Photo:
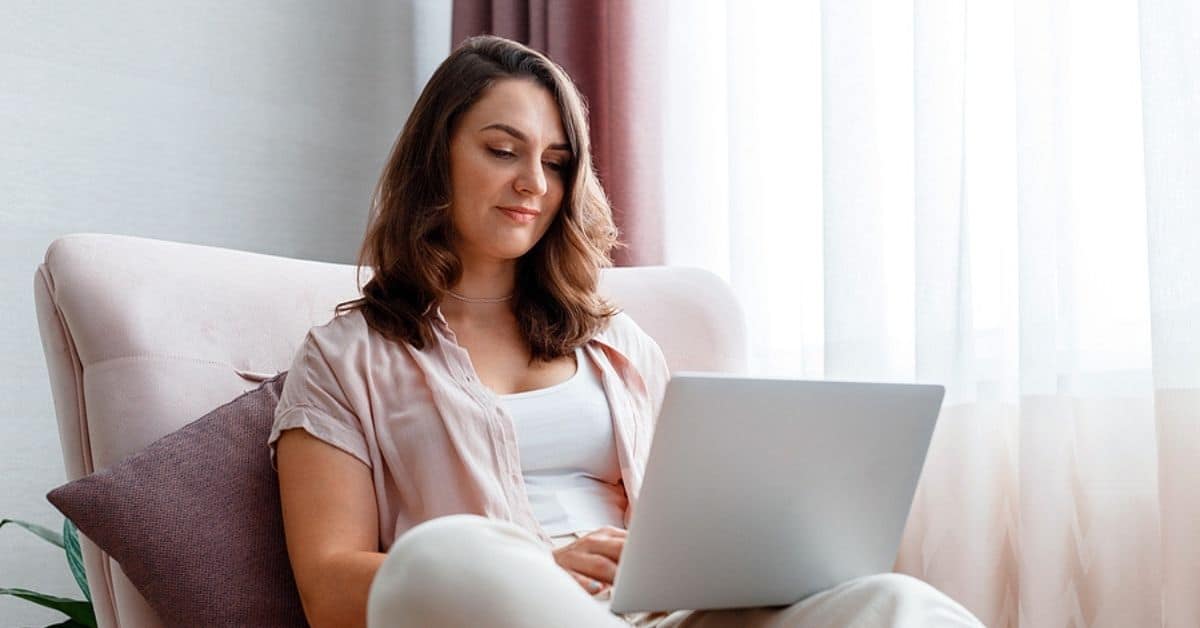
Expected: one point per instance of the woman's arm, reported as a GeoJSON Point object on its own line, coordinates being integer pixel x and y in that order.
{"type": "Point", "coordinates": [331, 522]}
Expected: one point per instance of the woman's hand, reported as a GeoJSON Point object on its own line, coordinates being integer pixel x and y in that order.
{"type": "Point", "coordinates": [592, 559]}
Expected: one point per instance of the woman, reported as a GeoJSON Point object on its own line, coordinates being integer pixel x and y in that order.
{"type": "Point", "coordinates": [461, 445]}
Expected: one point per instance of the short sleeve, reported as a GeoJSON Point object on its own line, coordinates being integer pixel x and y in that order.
{"type": "Point", "coordinates": [314, 400]}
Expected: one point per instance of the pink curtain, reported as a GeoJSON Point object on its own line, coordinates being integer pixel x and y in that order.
{"type": "Point", "coordinates": [610, 50]}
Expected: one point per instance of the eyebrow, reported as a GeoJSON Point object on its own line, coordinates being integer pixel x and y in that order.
{"type": "Point", "coordinates": [513, 131]}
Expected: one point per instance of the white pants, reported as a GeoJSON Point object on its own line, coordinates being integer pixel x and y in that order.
{"type": "Point", "coordinates": [465, 570]}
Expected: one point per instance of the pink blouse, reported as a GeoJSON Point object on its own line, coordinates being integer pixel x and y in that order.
{"type": "Point", "coordinates": [435, 438]}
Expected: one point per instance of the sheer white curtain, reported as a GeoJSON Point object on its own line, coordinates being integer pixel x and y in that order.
{"type": "Point", "coordinates": [999, 196]}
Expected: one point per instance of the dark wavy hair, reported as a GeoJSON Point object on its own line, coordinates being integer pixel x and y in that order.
{"type": "Point", "coordinates": [407, 245]}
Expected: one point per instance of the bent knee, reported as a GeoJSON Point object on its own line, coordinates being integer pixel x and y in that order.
{"type": "Point", "coordinates": [896, 585]}
{"type": "Point", "coordinates": [432, 566]}
{"type": "Point", "coordinates": [441, 531]}
{"type": "Point", "coordinates": [913, 597]}
{"type": "Point", "coordinates": [442, 546]}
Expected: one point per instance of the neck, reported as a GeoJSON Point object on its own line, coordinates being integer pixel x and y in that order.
{"type": "Point", "coordinates": [487, 280]}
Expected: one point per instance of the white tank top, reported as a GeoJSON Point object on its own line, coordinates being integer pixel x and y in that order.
{"type": "Point", "coordinates": [568, 455]}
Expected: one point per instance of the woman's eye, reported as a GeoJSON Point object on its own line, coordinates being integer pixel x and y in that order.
{"type": "Point", "coordinates": [554, 165]}
{"type": "Point", "coordinates": [502, 153]}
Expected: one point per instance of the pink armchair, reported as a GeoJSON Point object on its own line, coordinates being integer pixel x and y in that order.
{"type": "Point", "coordinates": [142, 336]}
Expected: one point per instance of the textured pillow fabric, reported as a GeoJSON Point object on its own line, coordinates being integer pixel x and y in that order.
{"type": "Point", "coordinates": [194, 519]}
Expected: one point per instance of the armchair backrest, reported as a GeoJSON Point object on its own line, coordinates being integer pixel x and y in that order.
{"type": "Point", "coordinates": [143, 336]}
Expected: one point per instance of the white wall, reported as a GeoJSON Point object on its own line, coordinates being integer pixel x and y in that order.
{"type": "Point", "coordinates": [257, 126]}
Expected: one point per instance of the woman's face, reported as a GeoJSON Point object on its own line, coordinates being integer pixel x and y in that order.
{"type": "Point", "coordinates": [507, 161]}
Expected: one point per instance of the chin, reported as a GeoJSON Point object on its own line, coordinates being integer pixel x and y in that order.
{"type": "Point", "coordinates": [513, 251]}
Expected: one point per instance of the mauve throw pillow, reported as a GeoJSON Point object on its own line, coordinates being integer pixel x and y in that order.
{"type": "Point", "coordinates": [194, 519]}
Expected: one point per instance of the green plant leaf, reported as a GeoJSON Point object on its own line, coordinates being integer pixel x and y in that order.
{"type": "Point", "coordinates": [77, 610]}
{"type": "Point", "coordinates": [75, 557]}
{"type": "Point", "coordinates": [45, 533]}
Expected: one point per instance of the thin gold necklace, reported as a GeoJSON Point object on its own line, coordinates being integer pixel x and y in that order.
{"type": "Point", "coordinates": [478, 299]}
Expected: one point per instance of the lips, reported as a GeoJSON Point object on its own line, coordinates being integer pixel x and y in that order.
{"type": "Point", "coordinates": [520, 215]}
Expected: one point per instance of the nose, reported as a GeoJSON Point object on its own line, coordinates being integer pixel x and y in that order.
{"type": "Point", "coordinates": [531, 180]}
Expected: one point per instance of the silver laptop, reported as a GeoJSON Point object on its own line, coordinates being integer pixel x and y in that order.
{"type": "Point", "coordinates": [760, 492]}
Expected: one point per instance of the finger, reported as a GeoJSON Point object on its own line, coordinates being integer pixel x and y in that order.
{"type": "Point", "coordinates": [606, 532]}
{"type": "Point", "coordinates": [594, 566]}
{"type": "Point", "coordinates": [614, 531]}
{"type": "Point", "coordinates": [608, 547]}
{"type": "Point", "coordinates": [590, 585]}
